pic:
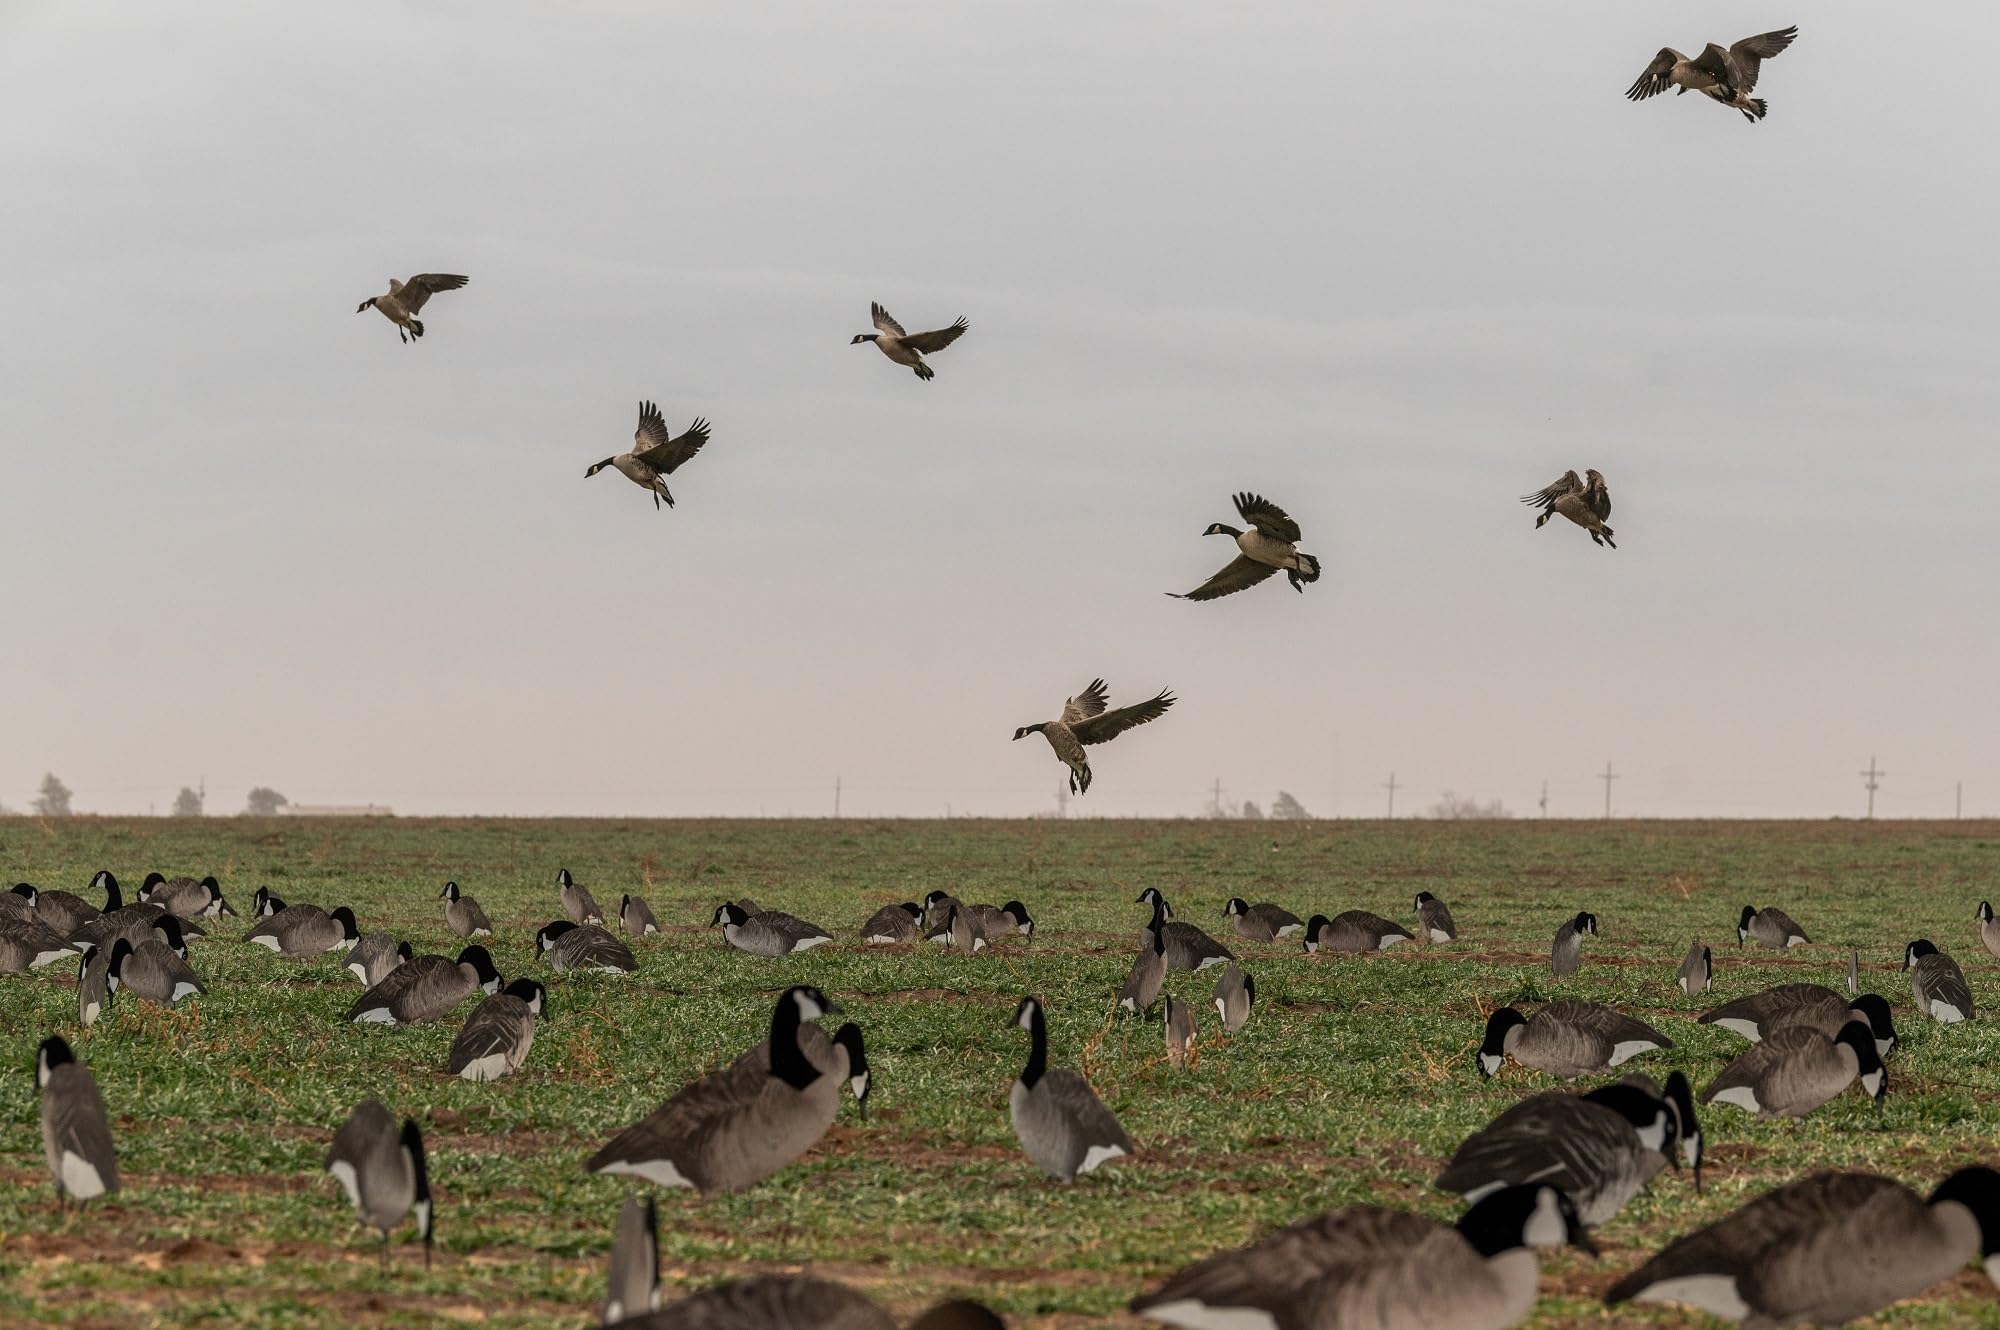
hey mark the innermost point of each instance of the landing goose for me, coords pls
(66, 912)
(894, 923)
(568, 946)
(634, 1285)
(577, 903)
(306, 932)
(908, 348)
(1937, 983)
(462, 914)
(1235, 994)
(844, 1053)
(1188, 948)
(496, 1037)
(1769, 927)
(1434, 917)
(1269, 546)
(1085, 721)
(1353, 931)
(767, 932)
(382, 1169)
(76, 1136)
(1697, 969)
(29, 944)
(1179, 1020)
(1586, 502)
(404, 299)
(636, 917)
(1826, 1250)
(656, 454)
(190, 898)
(1761, 1014)
(426, 987)
(1726, 75)
(996, 921)
(93, 985)
(1370, 1266)
(1792, 1071)
(371, 959)
(1057, 1117)
(1263, 922)
(1568, 1038)
(1149, 971)
(1566, 952)
(800, 1302)
(157, 969)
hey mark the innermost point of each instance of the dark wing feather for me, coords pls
(925, 343)
(1749, 54)
(495, 1026)
(1241, 571)
(1600, 502)
(1104, 728)
(885, 322)
(667, 456)
(425, 285)
(1570, 483)
(1088, 703)
(1654, 81)
(1267, 517)
(1714, 61)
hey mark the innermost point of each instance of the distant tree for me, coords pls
(53, 801)
(187, 803)
(264, 802)
(1287, 809)
(1452, 808)
(1251, 812)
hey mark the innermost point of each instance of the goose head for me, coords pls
(366, 304)
(1873, 1076)
(859, 338)
(1493, 1049)
(1978, 1190)
(1524, 1216)
(552, 933)
(450, 892)
(1028, 1012)
(54, 1052)
(1221, 529)
(114, 970)
(480, 962)
(1027, 730)
(596, 467)
(726, 914)
(563, 879)
(812, 1003)
(350, 931)
(530, 992)
(1917, 950)
(848, 1037)
(1985, 909)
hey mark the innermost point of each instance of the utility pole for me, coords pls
(1545, 800)
(1391, 788)
(1958, 803)
(1215, 799)
(1607, 778)
(1062, 801)
(1874, 783)
(836, 796)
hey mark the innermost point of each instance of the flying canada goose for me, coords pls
(1235, 994)
(1697, 968)
(800, 1302)
(1353, 931)
(496, 1037)
(1085, 721)
(1149, 971)
(405, 299)
(426, 987)
(767, 932)
(264, 904)
(1370, 1266)
(1261, 923)
(636, 917)
(822, 1051)
(1566, 952)
(1760, 1015)
(894, 923)
(735, 1127)
(66, 912)
(1769, 927)
(1270, 545)
(1567, 1038)
(1434, 917)
(29, 944)
(957, 929)
(1937, 983)
(157, 969)
(1792, 1071)
(371, 959)
(462, 914)
(383, 1172)
(1585, 502)
(1600, 1149)
(908, 348)
(1188, 948)
(1057, 1116)
(995, 922)
(1989, 931)
(1728, 76)
(76, 1136)
(577, 902)
(571, 946)
(1826, 1250)
(634, 1286)
(93, 985)
(656, 453)
(306, 932)
(1180, 1032)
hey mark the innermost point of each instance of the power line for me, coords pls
(1607, 778)
(1874, 783)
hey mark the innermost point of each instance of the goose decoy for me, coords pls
(1567, 1038)
(1792, 1071)
(265, 903)
(569, 946)
(18, 902)
(1057, 1117)
(908, 348)
(190, 898)
(656, 454)
(382, 1170)
(1853, 970)
(1760, 1015)
(29, 944)
(1188, 948)
(1180, 1032)
(405, 299)
(936, 902)
(737, 1126)
(1769, 927)
(1586, 502)
(636, 917)
(371, 959)
(767, 932)
(1366, 1265)
(425, 988)
(76, 1136)
(1261, 923)
(1566, 952)
(1989, 931)
(1353, 931)
(577, 902)
(800, 1302)
(93, 985)
(957, 929)
(1149, 971)
(1726, 75)
(1937, 983)
(1697, 968)
(1434, 917)
(995, 922)
(1235, 994)
(157, 969)
(462, 914)
(135, 924)
(306, 932)
(1600, 1149)
(1269, 546)
(66, 912)
(894, 923)
(634, 1286)
(1085, 721)
(1826, 1250)
(820, 1050)
(496, 1037)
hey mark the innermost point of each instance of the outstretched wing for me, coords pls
(1267, 517)
(1655, 80)
(1749, 54)
(1104, 728)
(1088, 703)
(1546, 498)
(1714, 61)
(427, 284)
(884, 323)
(1241, 571)
(653, 446)
(924, 343)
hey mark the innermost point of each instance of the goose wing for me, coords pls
(1073, 1097)
(1108, 726)
(1569, 483)
(1657, 77)
(425, 285)
(1088, 703)
(885, 322)
(73, 1122)
(1563, 1140)
(769, 1302)
(927, 343)
(1599, 499)
(1748, 56)
(654, 445)
(1240, 572)
(495, 1026)
(1267, 517)
(1326, 1255)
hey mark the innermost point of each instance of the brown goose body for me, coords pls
(1085, 720)
(1567, 1038)
(401, 304)
(1794, 1070)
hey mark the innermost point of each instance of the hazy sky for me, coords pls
(1390, 265)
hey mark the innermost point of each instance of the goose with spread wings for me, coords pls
(1586, 502)
(655, 453)
(1085, 721)
(405, 299)
(1269, 546)
(906, 348)
(1729, 75)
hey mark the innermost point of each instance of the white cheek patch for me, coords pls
(1630, 1048)
(79, 1177)
(659, 1172)
(1491, 1062)
(1201, 1316)
(1714, 1294)
(1739, 1096)
(1098, 1154)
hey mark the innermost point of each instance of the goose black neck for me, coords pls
(1159, 913)
(788, 1061)
(1038, 1048)
(114, 899)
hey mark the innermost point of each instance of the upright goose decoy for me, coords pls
(636, 917)
(1697, 969)
(908, 348)
(19, 903)
(1434, 917)
(1353, 931)
(93, 985)
(1989, 931)
(1085, 721)
(1727, 75)
(1188, 948)
(1792, 1071)
(190, 898)
(1370, 1266)
(1261, 923)
(1761, 1014)
(800, 1302)
(1057, 1117)
(382, 1169)
(1269, 546)
(894, 923)
(1235, 994)
(462, 914)
(1826, 1250)
(496, 1037)
(1180, 1032)
(1586, 502)
(306, 932)
(1769, 927)
(1566, 952)
(1568, 1038)
(996, 921)
(634, 1286)
(571, 946)
(767, 932)
(405, 299)
(426, 987)
(577, 902)
(1149, 971)
(656, 454)
(26, 943)
(157, 969)
(1937, 983)
(371, 959)
(76, 1136)
(66, 912)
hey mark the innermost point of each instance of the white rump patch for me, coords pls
(1391, 940)
(808, 943)
(878, 937)
(1207, 961)
(51, 957)
(1738, 1025)
(1220, 1009)
(482, 932)
(1714, 1294)
(489, 1068)
(1793, 941)
(1098, 1154)
(1742, 1096)
(79, 1177)
(659, 1172)
(89, 1013)
(1286, 930)
(266, 940)
(359, 971)
(1200, 1316)
(183, 989)
(1439, 935)
(1629, 1049)
(1944, 1011)
(375, 1016)
(1992, 1267)
(343, 1173)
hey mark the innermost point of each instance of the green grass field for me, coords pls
(1352, 1082)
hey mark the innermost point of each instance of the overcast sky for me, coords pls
(1390, 265)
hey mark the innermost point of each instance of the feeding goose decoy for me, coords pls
(577, 903)
(1353, 931)
(188, 897)
(1261, 923)
(1057, 1117)
(1187, 947)
(800, 1302)
(1434, 917)
(1269, 546)
(766, 932)
(1937, 983)
(1235, 994)
(1697, 969)
(936, 902)
(1567, 1038)
(426, 987)
(371, 959)
(496, 1037)
(93, 985)
(1769, 927)
(1085, 721)
(636, 917)
(1760, 1015)
(306, 932)
(1600, 1149)
(66, 912)
(634, 1286)
(1180, 1032)
(1727, 75)
(908, 348)
(265, 904)
(1585, 502)
(1366, 1265)
(571, 946)
(656, 454)
(1826, 1250)
(1566, 952)
(76, 1135)
(157, 969)
(29, 944)
(996, 921)
(957, 929)
(1989, 930)
(405, 299)
(136, 924)
(382, 1169)
(462, 914)
(894, 923)
(1792, 1071)
(18, 902)
(737, 1126)
(1149, 971)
